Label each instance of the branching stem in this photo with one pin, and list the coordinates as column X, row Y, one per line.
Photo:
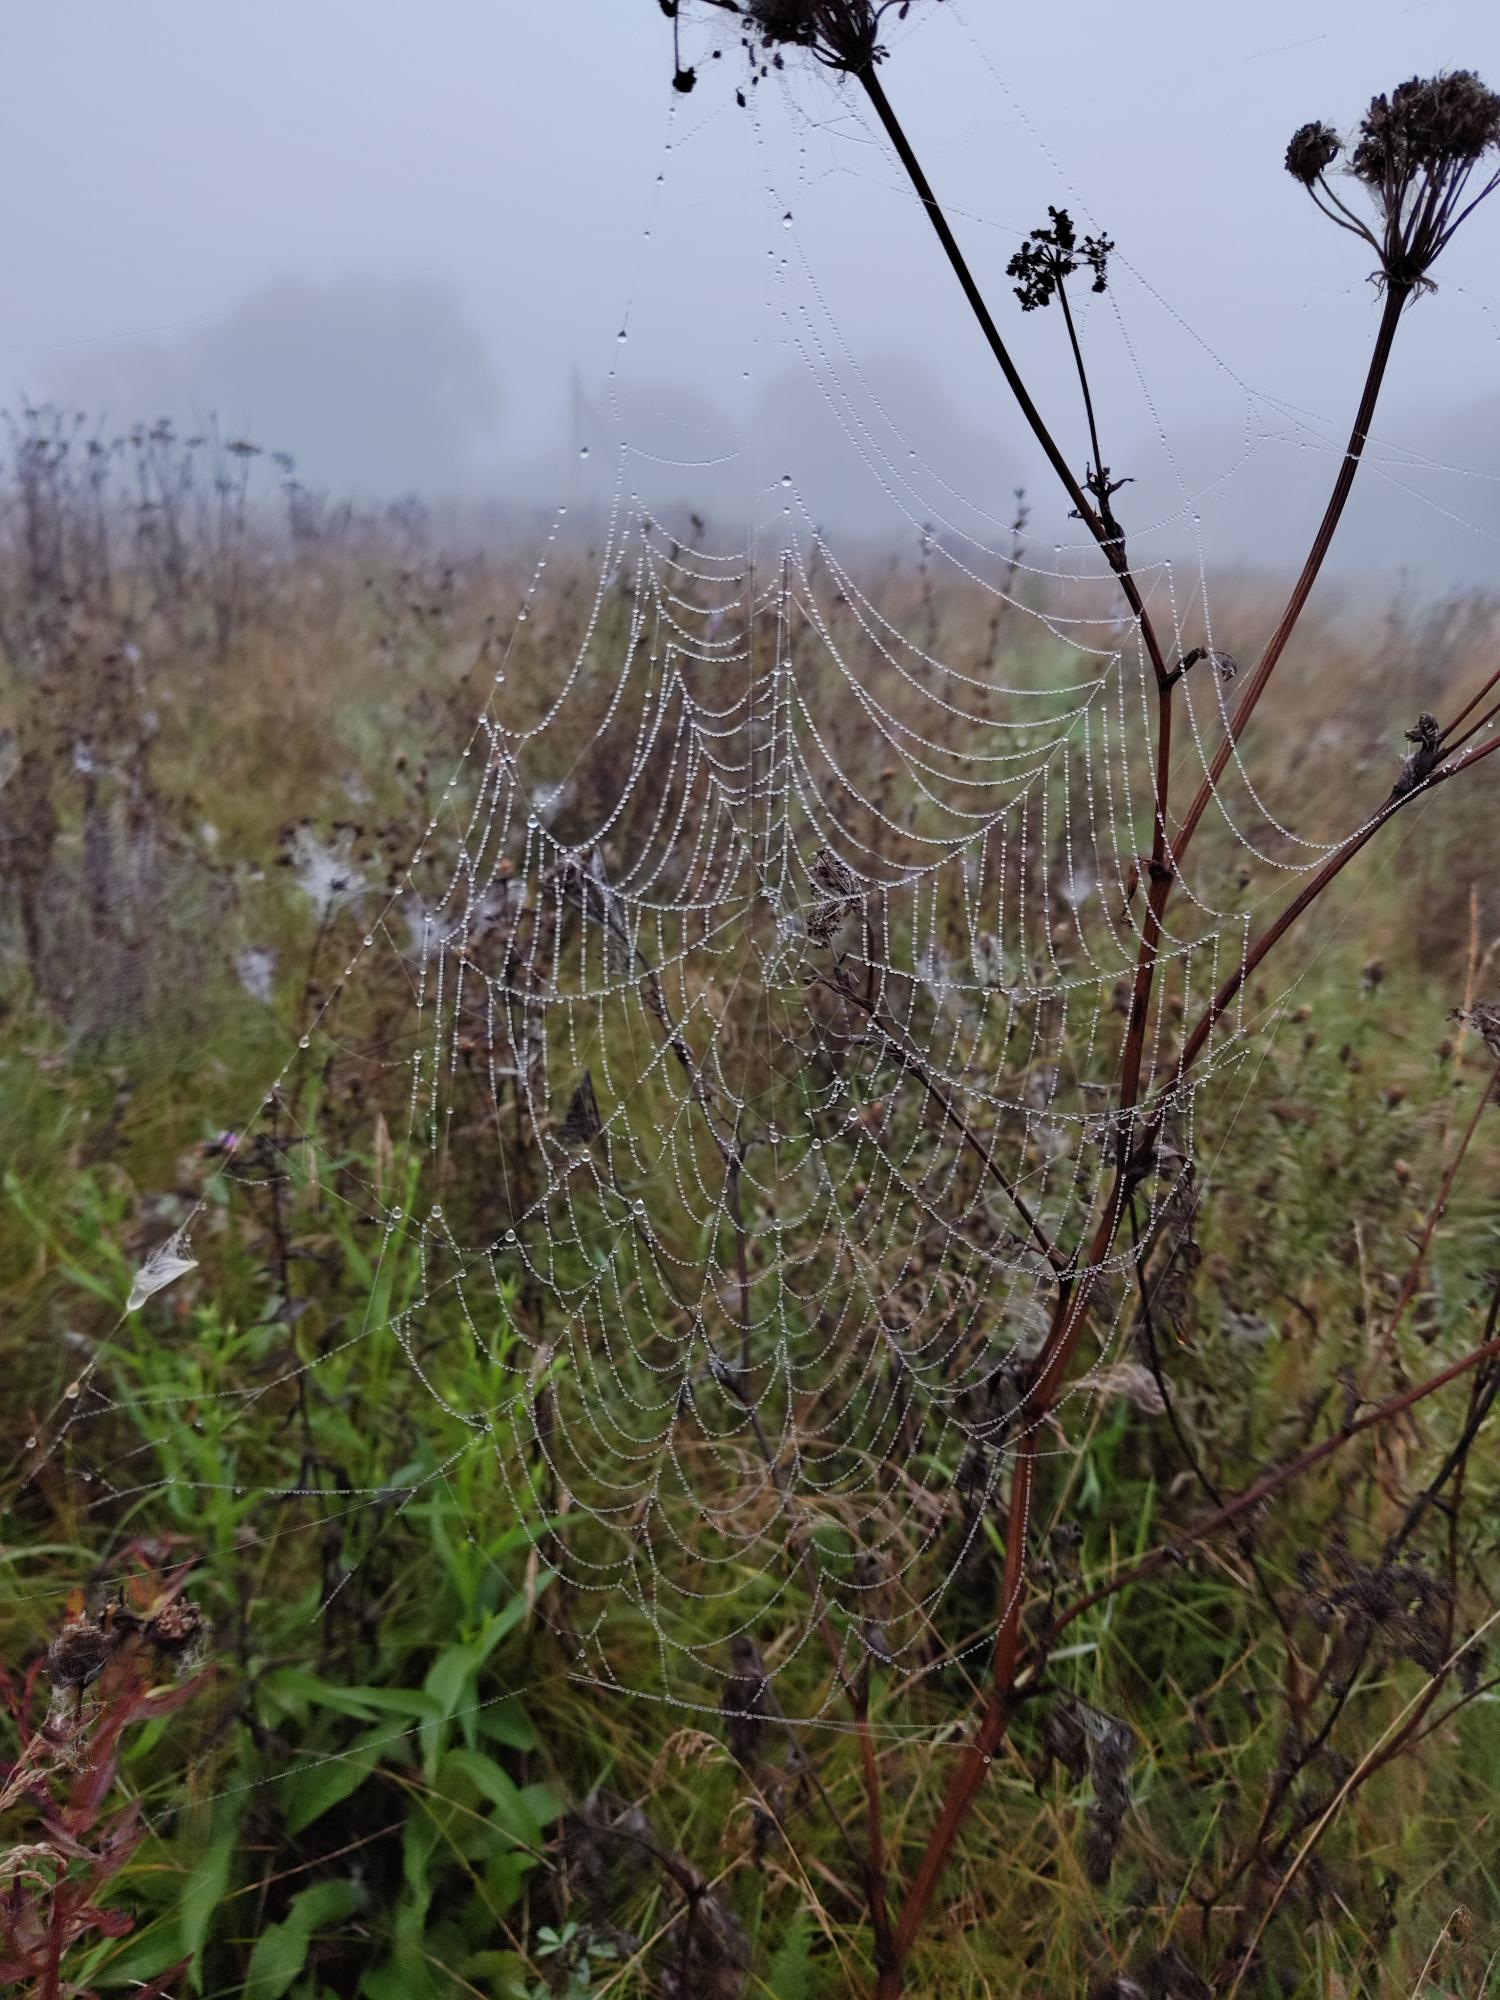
column 1166, row 855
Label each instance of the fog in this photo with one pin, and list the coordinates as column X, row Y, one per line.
column 378, row 384
column 400, row 245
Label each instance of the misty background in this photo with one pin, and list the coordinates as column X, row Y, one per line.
column 401, row 245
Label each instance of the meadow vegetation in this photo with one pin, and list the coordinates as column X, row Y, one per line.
column 297, row 1573
column 327, row 1744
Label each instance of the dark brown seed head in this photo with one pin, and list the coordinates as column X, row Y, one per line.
column 79, row 1653
column 175, row 1626
column 1415, row 158
column 785, row 20
column 1427, row 124
column 1313, row 150
column 839, row 32
column 843, row 34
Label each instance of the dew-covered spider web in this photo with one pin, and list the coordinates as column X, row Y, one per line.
column 748, row 1037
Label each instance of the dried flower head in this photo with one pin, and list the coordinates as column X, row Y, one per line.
column 1085, row 1741
column 1051, row 255
column 1313, row 150
column 841, row 34
column 1484, row 1018
column 1424, row 759
column 80, row 1653
column 1416, row 158
column 1427, row 124
column 175, row 1626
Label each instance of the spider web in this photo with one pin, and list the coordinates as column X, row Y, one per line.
column 760, row 984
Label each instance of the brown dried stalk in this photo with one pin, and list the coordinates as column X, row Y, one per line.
column 1167, row 850
column 1416, row 155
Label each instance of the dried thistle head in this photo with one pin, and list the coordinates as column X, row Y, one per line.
column 1420, row 151
column 1050, row 255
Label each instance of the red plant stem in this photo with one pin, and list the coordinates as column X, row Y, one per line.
column 1072, row 1303
column 1167, row 852
column 982, row 1746
column 1166, row 856
column 987, row 1740
column 1473, row 729
column 1158, row 889
column 1053, row 1362
column 1470, row 705
column 50, row 1985
column 1395, row 300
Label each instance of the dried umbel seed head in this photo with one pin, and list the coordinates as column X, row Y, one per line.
column 1053, row 254
column 1426, row 156
column 784, row 20
column 1429, row 124
column 1313, row 150
column 842, row 34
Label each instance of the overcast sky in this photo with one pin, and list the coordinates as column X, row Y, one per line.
column 400, row 240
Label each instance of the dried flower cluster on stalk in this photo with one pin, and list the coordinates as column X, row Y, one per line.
column 1050, row 255
column 843, row 34
column 840, row 34
column 1416, row 160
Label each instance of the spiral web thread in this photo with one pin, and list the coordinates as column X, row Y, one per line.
column 768, row 974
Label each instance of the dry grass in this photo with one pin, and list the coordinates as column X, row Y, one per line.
column 366, row 659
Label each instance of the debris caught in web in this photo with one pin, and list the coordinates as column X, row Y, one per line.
column 167, row 1263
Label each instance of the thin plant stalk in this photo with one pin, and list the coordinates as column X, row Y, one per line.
column 1396, row 298
column 1403, row 274
column 1164, row 862
column 1085, row 508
